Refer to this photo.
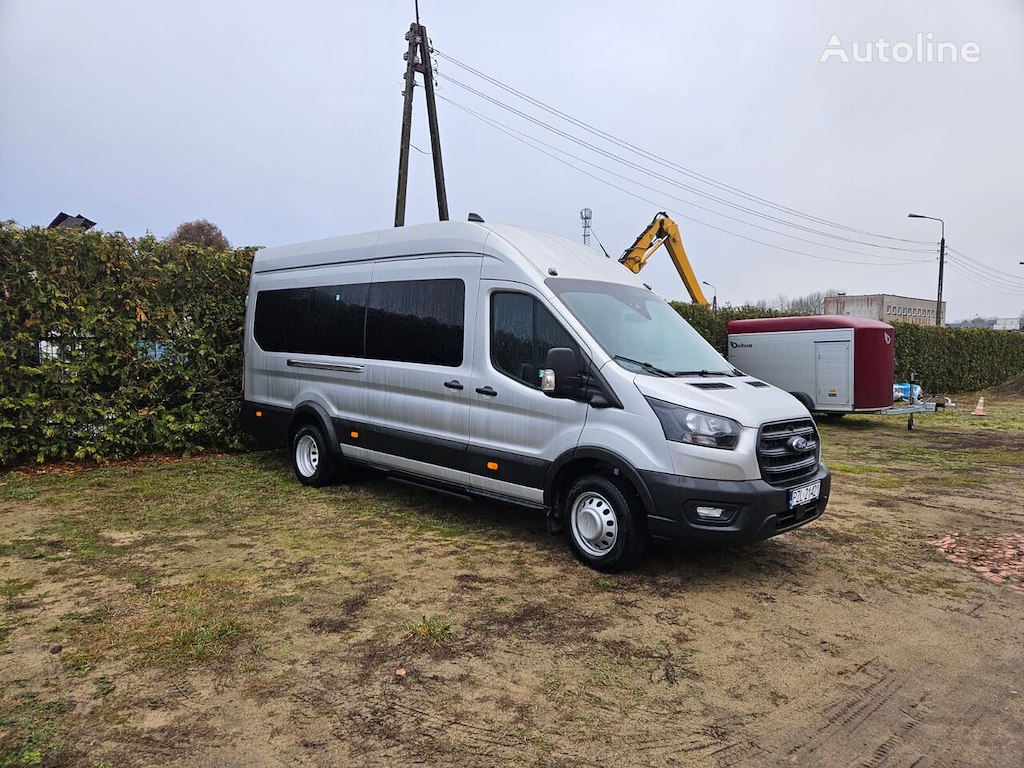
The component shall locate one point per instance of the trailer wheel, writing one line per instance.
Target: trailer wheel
(312, 460)
(604, 523)
(805, 400)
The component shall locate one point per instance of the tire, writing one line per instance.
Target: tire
(805, 400)
(604, 523)
(312, 460)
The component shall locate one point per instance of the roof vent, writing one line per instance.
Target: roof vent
(476, 217)
(711, 385)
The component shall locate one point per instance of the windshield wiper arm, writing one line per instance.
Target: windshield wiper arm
(703, 372)
(646, 366)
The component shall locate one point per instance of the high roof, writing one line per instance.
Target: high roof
(527, 249)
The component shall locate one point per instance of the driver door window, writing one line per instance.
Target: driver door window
(522, 332)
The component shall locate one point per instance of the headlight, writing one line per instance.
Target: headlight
(684, 425)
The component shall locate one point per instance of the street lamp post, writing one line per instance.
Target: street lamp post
(942, 262)
(714, 297)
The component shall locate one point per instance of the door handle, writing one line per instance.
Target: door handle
(486, 391)
(454, 384)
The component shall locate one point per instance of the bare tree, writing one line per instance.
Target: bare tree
(199, 232)
(811, 304)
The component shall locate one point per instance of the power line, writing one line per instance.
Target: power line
(685, 216)
(634, 166)
(997, 273)
(972, 277)
(982, 278)
(663, 161)
(526, 139)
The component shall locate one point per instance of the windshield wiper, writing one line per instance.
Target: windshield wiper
(704, 373)
(646, 366)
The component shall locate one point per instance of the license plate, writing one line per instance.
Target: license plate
(807, 493)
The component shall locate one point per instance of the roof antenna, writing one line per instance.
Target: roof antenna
(599, 242)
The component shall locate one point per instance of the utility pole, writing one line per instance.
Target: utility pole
(585, 215)
(942, 262)
(417, 59)
(403, 154)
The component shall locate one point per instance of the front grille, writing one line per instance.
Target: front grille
(783, 463)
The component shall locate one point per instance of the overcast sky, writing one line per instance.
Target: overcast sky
(280, 122)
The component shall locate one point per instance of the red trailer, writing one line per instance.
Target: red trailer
(831, 363)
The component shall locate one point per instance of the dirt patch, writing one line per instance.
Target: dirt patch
(1013, 387)
(211, 612)
(975, 440)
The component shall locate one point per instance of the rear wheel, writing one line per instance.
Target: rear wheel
(604, 523)
(312, 459)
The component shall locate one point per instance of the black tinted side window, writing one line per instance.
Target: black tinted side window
(416, 321)
(282, 319)
(522, 332)
(338, 318)
(327, 320)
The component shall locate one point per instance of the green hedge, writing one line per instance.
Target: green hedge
(113, 346)
(957, 359)
(943, 359)
(712, 325)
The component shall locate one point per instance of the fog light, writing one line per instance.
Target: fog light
(711, 513)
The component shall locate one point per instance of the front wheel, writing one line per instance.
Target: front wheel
(313, 461)
(604, 523)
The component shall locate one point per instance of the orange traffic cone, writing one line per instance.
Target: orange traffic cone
(980, 409)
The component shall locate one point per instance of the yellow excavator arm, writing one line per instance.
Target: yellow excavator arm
(663, 231)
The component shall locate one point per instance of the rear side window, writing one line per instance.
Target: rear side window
(326, 320)
(522, 332)
(416, 321)
(282, 319)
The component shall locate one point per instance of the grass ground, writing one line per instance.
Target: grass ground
(212, 611)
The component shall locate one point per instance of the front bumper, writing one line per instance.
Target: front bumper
(758, 510)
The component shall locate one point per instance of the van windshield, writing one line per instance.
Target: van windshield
(639, 330)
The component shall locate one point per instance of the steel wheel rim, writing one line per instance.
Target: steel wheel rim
(595, 527)
(307, 455)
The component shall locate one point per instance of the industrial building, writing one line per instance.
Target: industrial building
(885, 307)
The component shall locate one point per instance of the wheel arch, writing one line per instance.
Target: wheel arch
(585, 460)
(310, 411)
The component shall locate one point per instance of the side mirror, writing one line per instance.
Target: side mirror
(561, 374)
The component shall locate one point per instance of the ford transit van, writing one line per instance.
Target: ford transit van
(500, 362)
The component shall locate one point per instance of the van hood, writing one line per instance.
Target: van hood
(742, 398)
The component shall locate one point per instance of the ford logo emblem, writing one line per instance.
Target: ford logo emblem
(798, 443)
